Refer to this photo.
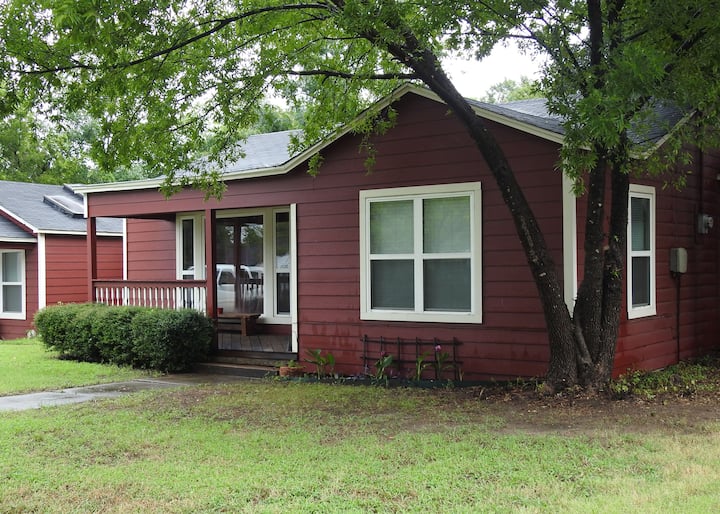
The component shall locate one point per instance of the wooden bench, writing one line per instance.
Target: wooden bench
(238, 322)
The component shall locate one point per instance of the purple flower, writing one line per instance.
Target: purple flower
(438, 349)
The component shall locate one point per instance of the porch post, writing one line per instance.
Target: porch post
(91, 255)
(210, 262)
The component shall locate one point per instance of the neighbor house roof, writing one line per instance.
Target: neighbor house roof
(268, 154)
(30, 209)
(11, 233)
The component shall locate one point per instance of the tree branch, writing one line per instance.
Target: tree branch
(217, 27)
(346, 75)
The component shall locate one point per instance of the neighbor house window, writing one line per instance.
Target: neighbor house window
(641, 252)
(420, 253)
(12, 284)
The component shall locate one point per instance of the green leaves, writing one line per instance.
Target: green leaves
(160, 76)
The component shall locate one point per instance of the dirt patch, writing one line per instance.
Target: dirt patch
(572, 412)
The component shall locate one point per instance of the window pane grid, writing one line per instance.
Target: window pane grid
(424, 225)
(11, 283)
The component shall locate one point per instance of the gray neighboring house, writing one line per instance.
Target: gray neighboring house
(43, 251)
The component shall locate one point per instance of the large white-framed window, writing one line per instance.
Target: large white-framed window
(641, 252)
(12, 284)
(420, 253)
(253, 248)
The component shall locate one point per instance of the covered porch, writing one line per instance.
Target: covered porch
(250, 296)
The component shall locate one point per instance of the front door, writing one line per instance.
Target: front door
(240, 264)
(253, 279)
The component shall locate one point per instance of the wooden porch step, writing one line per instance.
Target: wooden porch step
(238, 370)
(267, 359)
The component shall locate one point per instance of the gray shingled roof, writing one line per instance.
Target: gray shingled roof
(30, 205)
(9, 231)
(263, 151)
(257, 152)
(270, 150)
(534, 112)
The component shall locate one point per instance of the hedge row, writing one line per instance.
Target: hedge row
(141, 337)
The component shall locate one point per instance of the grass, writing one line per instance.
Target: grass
(26, 366)
(289, 447)
(272, 446)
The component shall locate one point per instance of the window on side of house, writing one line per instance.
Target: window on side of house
(12, 284)
(420, 254)
(641, 252)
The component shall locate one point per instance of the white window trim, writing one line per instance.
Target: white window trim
(23, 283)
(198, 244)
(473, 189)
(270, 316)
(646, 192)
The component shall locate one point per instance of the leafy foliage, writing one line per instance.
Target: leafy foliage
(510, 90)
(164, 340)
(170, 340)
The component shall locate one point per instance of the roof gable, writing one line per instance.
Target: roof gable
(268, 154)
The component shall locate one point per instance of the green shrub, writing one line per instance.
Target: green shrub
(170, 340)
(66, 328)
(160, 339)
(112, 334)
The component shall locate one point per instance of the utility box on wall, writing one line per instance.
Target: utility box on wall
(678, 260)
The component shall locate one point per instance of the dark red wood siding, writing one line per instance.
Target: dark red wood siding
(427, 147)
(654, 342)
(150, 249)
(66, 265)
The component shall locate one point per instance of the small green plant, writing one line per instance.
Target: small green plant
(324, 364)
(441, 363)
(381, 366)
(420, 364)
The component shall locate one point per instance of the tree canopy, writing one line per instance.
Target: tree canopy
(510, 90)
(170, 71)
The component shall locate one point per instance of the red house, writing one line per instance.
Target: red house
(419, 251)
(43, 251)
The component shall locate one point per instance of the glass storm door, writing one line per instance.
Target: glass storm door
(240, 274)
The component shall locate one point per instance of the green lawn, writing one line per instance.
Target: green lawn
(279, 447)
(274, 446)
(25, 366)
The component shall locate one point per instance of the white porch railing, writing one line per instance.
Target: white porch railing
(163, 294)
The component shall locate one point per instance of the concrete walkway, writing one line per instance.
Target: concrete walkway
(111, 390)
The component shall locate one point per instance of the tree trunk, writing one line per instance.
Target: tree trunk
(582, 348)
(563, 368)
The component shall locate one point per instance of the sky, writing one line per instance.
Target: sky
(473, 78)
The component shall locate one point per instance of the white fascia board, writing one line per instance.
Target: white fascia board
(82, 233)
(17, 240)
